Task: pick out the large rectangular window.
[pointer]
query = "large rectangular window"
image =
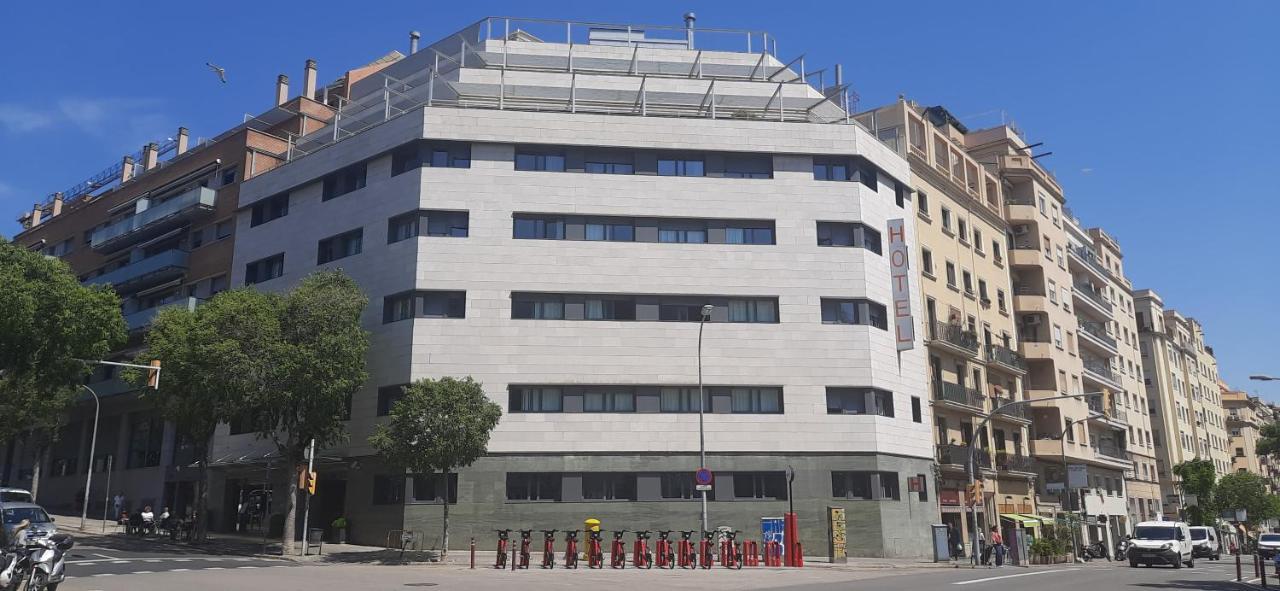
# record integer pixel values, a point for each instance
(264, 269)
(866, 486)
(424, 304)
(340, 246)
(344, 181)
(848, 234)
(609, 486)
(540, 159)
(431, 488)
(748, 166)
(643, 399)
(681, 166)
(854, 311)
(628, 229)
(388, 396)
(268, 209)
(859, 401)
(388, 489)
(146, 435)
(534, 486)
(428, 222)
(677, 485)
(626, 307)
(770, 486)
(434, 154)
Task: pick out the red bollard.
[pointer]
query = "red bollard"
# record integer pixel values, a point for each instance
(473, 553)
(750, 553)
(772, 553)
(797, 555)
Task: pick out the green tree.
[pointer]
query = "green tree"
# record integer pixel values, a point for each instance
(48, 323)
(1244, 490)
(1198, 478)
(438, 426)
(1269, 441)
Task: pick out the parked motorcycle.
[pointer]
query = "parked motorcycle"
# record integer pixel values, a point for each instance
(48, 562)
(14, 560)
(1096, 550)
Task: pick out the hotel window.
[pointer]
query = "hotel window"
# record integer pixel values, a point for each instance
(609, 486)
(681, 166)
(854, 311)
(676, 231)
(859, 401)
(533, 486)
(538, 228)
(826, 169)
(748, 166)
(264, 269)
(340, 246)
(849, 234)
(344, 181)
(677, 485)
(926, 261)
(609, 231)
(269, 209)
(922, 203)
(748, 235)
(760, 485)
(608, 399)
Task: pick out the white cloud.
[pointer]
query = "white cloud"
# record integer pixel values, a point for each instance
(5, 189)
(20, 119)
(96, 116)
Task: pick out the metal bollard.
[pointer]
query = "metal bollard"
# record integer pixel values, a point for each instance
(513, 557)
(473, 553)
(1239, 573)
(1262, 568)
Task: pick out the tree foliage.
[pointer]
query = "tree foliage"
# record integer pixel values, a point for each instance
(438, 426)
(1248, 491)
(1269, 441)
(48, 323)
(1198, 478)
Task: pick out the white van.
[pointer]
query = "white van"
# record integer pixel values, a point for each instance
(1205, 542)
(1162, 542)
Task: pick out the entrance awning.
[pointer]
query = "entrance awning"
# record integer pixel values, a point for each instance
(1023, 520)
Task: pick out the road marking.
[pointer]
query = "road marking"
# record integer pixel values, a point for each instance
(1043, 572)
(152, 560)
(242, 567)
(182, 560)
(214, 568)
(121, 562)
(105, 556)
(105, 575)
(180, 570)
(142, 572)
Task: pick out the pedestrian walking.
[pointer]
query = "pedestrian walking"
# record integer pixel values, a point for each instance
(954, 542)
(997, 543)
(984, 550)
(117, 502)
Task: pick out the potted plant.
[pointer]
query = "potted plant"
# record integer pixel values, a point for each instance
(339, 530)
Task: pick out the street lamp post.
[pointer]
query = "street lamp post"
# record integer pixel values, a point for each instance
(93, 445)
(973, 532)
(702, 399)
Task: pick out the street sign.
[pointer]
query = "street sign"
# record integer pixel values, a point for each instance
(703, 477)
(1078, 476)
(701, 487)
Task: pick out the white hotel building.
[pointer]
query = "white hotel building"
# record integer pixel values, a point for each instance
(549, 218)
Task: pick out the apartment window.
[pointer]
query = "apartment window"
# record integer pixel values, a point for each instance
(609, 486)
(228, 176)
(223, 229)
(922, 203)
(926, 261)
(982, 290)
(344, 181)
(677, 485)
(539, 228)
(534, 399)
(1053, 291)
(962, 228)
(951, 274)
(916, 412)
(946, 219)
(854, 311)
(388, 396)
(1000, 302)
(682, 166)
(748, 235)
(968, 281)
(609, 162)
(825, 169)
(197, 238)
(977, 240)
(531, 159)
(269, 209)
(760, 485)
(424, 304)
(533, 486)
(428, 222)
(435, 154)
(848, 234)
(995, 251)
(430, 488)
(859, 401)
(388, 489)
(264, 269)
(145, 438)
(340, 246)
(748, 166)
(866, 486)
(1057, 336)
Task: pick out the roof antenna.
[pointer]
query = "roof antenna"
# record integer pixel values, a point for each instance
(689, 17)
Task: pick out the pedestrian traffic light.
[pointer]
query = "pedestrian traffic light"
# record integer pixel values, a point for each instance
(311, 483)
(975, 493)
(153, 375)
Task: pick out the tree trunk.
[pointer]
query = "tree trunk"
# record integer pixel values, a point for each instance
(202, 493)
(290, 515)
(444, 549)
(35, 475)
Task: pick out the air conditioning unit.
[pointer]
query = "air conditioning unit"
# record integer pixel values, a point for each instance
(1031, 320)
(1021, 230)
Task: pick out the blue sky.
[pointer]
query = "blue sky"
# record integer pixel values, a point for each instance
(1161, 116)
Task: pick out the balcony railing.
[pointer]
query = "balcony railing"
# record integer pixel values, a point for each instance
(1012, 462)
(1027, 200)
(156, 218)
(143, 318)
(1030, 290)
(1006, 356)
(1090, 259)
(1110, 451)
(959, 455)
(1087, 291)
(1099, 368)
(154, 269)
(1018, 412)
(955, 334)
(1097, 331)
(1021, 245)
(958, 394)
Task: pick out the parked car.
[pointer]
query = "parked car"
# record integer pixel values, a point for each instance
(11, 514)
(1268, 545)
(14, 495)
(1162, 542)
(1205, 542)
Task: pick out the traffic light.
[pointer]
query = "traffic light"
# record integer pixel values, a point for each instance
(306, 480)
(153, 375)
(975, 493)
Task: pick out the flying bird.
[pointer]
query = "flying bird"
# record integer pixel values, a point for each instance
(221, 72)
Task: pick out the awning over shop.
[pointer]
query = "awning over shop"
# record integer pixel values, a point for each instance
(1023, 520)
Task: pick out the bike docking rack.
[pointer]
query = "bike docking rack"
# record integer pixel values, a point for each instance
(721, 545)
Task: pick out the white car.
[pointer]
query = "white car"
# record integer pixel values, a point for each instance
(1205, 542)
(1268, 545)
(1162, 542)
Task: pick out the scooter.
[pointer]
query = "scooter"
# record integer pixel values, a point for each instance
(48, 562)
(14, 561)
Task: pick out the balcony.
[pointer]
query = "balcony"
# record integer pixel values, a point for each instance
(142, 318)
(1096, 334)
(1013, 462)
(155, 220)
(1111, 417)
(1093, 298)
(1110, 452)
(1013, 413)
(1089, 261)
(958, 455)
(1007, 358)
(1025, 254)
(955, 394)
(145, 273)
(954, 337)
(1100, 371)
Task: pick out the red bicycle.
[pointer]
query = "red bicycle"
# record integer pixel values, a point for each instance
(548, 548)
(704, 549)
(526, 541)
(618, 550)
(571, 549)
(504, 536)
(641, 557)
(663, 556)
(686, 556)
(730, 552)
(595, 554)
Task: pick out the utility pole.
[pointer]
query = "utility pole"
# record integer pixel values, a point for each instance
(306, 512)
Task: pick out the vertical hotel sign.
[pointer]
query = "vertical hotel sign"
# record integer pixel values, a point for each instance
(899, 272)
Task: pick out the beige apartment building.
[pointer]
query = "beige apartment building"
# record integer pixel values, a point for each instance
(1246, 416)
(1181, 377)
(974, 366)
(1046, 302)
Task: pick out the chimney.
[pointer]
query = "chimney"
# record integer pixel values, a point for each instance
(689, 17)
(36, 213)
(126, 169)
(413, 41)
(183, 138)
(309, 80)
(56, 208)
(282, 89)
(150, 156)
